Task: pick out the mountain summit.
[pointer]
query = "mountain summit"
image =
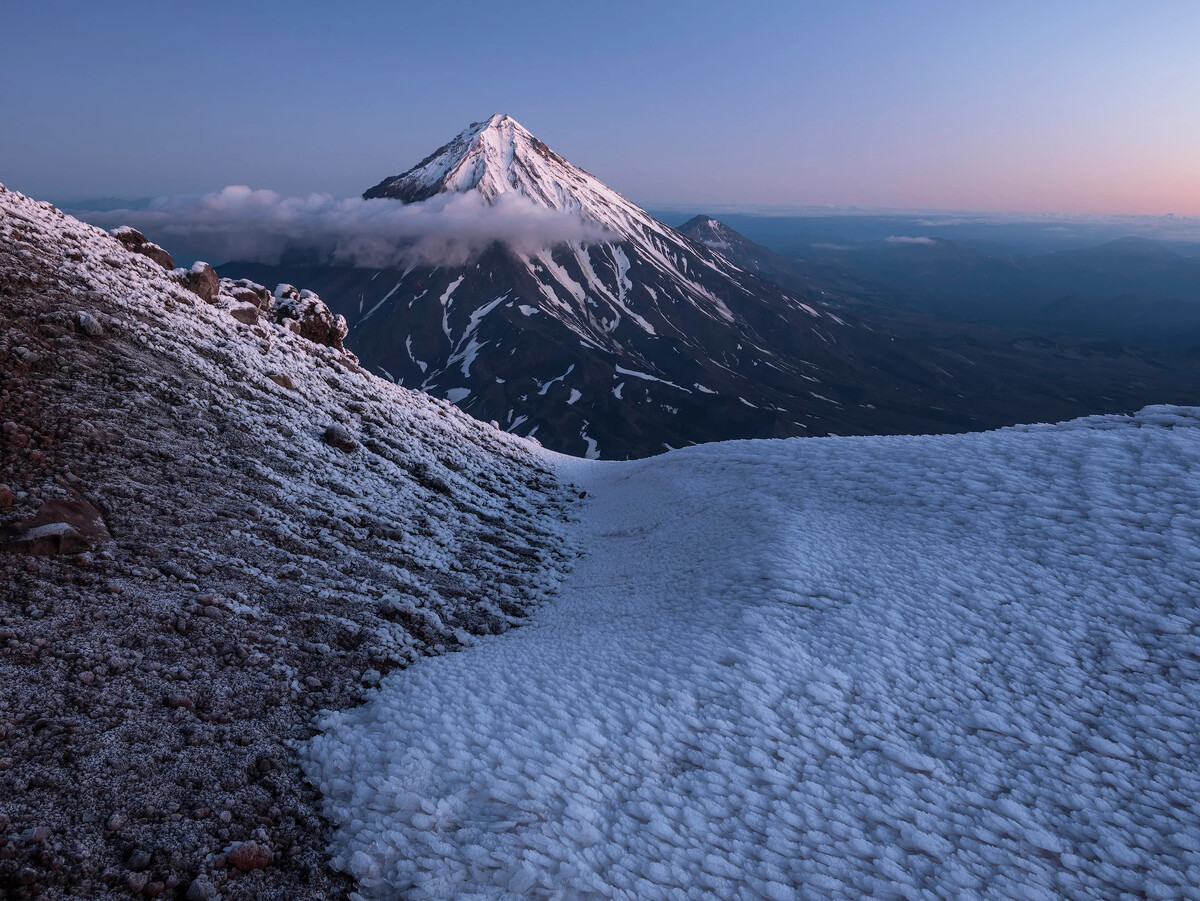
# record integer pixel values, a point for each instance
(493, 157)
(499, 156)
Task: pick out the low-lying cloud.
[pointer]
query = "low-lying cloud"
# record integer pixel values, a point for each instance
(909, 239)
(262, 226)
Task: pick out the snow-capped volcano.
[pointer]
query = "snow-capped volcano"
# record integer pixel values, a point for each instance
(640, 339)
(499, 156)
(591, 286)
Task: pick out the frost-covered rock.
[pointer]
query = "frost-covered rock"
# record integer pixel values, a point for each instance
(144, 682)
(245, 313)
(339, 436)
(243, 290)
(201, 889)
(88, 324)
(201, 280)
(134, 240)
(315, 320)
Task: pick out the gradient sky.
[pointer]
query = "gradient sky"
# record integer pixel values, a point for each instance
(1062, 106)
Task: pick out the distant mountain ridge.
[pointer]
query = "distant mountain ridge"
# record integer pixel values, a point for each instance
(1133, 289)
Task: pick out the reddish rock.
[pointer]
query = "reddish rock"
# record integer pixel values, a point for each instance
(128, 235)
(59, 527)
(250, 856)
(6, 494)
(245, 313)
(314, 320)
(158, 254)
(246, 291)
(201, 280)
(280, 378)
(135, 241)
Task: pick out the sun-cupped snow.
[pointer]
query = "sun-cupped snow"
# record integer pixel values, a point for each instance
(924, 667)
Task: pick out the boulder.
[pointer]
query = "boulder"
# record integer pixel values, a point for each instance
(201, 280)
(339, 436)
(135, 241)
(245, 291)
(244, 312)
(156, 253)
(201, 889)
(88, 324)
(129, 236)
(249, 856)
(59, 527)
(314, 320)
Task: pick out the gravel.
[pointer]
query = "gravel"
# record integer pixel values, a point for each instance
(153, 687)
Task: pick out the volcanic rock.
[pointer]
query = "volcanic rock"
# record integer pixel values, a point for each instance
(134, 240)
(201, 280)
(59, 527)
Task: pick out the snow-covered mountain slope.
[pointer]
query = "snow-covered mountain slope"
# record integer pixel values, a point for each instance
(625, 346)
(635, 283)
(284, 527)
(949, 666)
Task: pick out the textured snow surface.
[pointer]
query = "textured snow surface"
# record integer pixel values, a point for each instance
(953, 666)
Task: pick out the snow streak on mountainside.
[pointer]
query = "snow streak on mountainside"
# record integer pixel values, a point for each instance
(937, 667)
(620, 347)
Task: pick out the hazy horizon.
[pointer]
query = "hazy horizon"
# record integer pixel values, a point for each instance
(933, 106)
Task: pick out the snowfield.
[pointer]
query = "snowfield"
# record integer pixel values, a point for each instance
(930, 667)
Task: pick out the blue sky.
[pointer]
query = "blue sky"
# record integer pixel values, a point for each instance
(1066, 106)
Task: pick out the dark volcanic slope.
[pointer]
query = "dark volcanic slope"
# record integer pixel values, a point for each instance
(745, 254)
(257, 573)
(657, 339)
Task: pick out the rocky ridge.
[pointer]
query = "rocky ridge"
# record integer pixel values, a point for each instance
(276, 529)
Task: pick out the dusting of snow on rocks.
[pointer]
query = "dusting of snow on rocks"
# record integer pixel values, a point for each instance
(920, 667)
(220, 524)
